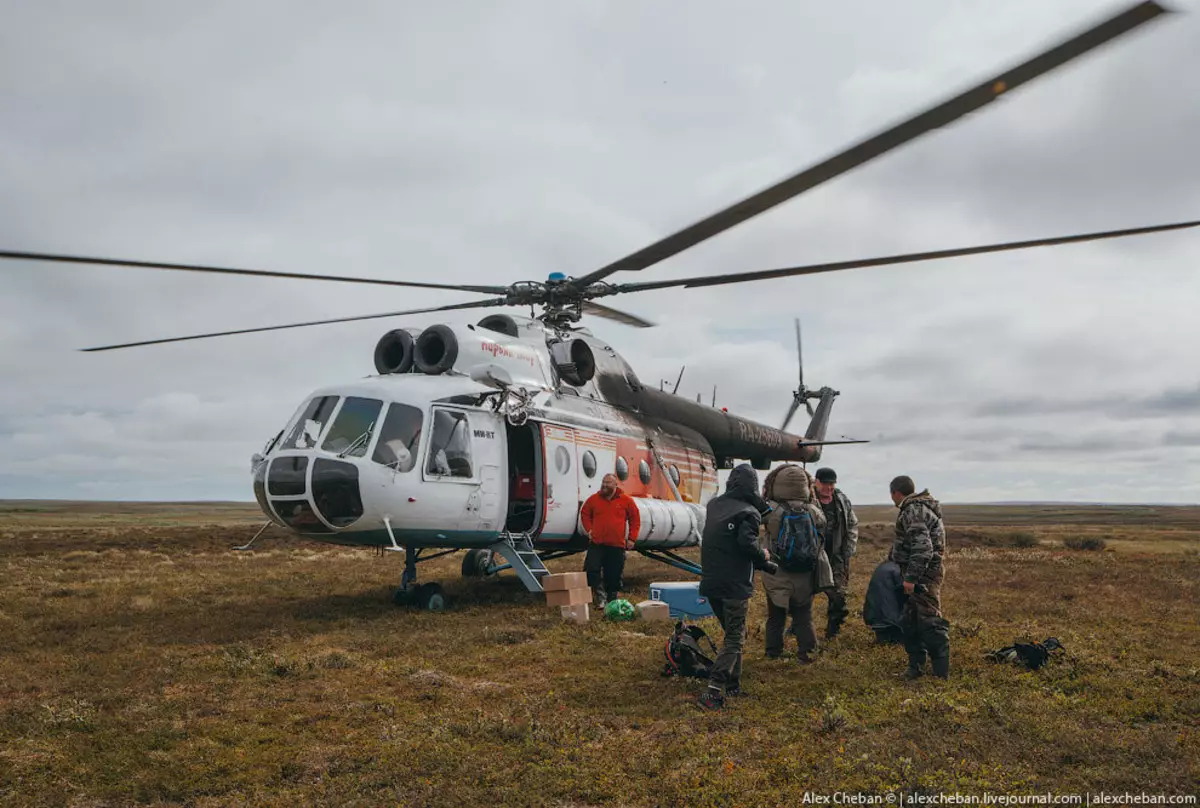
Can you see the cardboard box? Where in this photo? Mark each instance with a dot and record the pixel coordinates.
(654, 611)
(579, 613)
(568, 597)
(564, 580)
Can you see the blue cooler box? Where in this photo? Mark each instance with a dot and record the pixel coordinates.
(683, 597)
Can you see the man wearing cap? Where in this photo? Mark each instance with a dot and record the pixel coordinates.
(841, 542)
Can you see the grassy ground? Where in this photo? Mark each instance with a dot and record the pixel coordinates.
(145, 663)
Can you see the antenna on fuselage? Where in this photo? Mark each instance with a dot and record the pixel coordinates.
(675, 389)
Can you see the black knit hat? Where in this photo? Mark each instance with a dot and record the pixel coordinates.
(826, 475)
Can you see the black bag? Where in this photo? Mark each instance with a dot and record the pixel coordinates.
(1032, 655)
(684, 655)
(797, 546)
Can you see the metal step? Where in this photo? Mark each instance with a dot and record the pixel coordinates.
(518, 551)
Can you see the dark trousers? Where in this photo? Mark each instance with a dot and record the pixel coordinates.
(608, 561)
(802, 627)
(727, 669)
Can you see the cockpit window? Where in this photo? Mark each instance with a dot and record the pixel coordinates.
(307, 431)
(450, 449)
(351, 430)
(398, 438)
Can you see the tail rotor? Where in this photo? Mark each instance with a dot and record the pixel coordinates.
(802, 394)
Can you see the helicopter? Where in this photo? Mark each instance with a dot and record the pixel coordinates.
(486, 437)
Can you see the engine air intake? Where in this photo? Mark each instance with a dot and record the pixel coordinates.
(436, 349)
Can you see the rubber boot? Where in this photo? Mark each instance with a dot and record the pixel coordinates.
(936, 633)
(916, 664)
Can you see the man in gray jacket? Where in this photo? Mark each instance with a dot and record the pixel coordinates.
(841, 543)
(791, 592)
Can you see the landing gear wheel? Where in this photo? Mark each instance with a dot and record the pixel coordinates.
(430, 597)
(403, 597)
(475, 563)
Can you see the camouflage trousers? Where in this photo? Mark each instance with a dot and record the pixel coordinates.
(926, 629)
(836, 611)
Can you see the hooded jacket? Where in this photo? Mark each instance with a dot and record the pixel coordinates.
(920, 536)
(605, 519)
(792, 485)
(729, 550)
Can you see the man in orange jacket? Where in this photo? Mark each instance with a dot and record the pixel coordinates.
(605, 515)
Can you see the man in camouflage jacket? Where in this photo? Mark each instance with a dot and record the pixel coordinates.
(841, 543)
(918, 549)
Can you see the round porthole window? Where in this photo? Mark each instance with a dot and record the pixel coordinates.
(622, 469)
(562, 459)
(673, 470)
(644, 472)
(588, 461)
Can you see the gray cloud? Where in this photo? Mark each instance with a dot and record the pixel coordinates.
(490, 145)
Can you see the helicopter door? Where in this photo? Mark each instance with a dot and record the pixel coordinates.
(464, 458)
(559, 459)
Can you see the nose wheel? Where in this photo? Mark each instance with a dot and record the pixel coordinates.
(427, 597)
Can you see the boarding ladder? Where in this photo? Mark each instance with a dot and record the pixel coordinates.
(517, 550)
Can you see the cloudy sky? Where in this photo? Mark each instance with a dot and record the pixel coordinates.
(494, 142)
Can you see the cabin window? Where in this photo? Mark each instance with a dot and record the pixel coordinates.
(673, 471)
(644, 472)
(588, 461)
(562, 459)
(307, 431)
(398, 438)
(450, 447)
(351, 430)
(622, 469)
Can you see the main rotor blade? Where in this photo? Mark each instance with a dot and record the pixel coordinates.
(800, 354)
(933, 118)
(591, 307)
(908, 258)
(475, 304)
(258, 273)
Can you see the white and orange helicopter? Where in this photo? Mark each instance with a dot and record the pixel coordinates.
(488, 437)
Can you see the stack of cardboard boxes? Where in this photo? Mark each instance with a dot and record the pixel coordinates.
(570, 592)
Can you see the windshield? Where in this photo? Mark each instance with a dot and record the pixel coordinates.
(307, 431)
(351, 430)
(398, 438)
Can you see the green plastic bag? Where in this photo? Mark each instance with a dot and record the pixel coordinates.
(620, 610)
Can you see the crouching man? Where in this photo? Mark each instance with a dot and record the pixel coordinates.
(729, 555)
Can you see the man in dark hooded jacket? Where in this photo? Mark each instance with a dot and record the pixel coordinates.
(918, 548)
(729, 555)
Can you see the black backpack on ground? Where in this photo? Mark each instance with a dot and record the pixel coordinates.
(1032, 655)
(797, 545)
(684, 654)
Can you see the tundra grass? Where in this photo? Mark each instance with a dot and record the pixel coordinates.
(144, 662)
